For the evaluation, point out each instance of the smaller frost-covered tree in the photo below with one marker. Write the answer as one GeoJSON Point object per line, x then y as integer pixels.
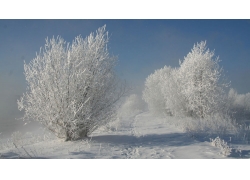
{"type": "Point", "coordinates": [194, 89]}
{"type": "Point", "coordinates": [162, 92]}
{"type": "Point", "coordinates": [199, 76]}
{"type": "Point", "coordinates": [72, 89]}
{"type": "Point", "coordinates": [152, 93]}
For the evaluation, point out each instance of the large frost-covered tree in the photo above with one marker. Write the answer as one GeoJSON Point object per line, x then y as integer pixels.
{"type": "Point", "coordinates": [72, 88]}
{"type": "Point", "coordinates": [200, 76]}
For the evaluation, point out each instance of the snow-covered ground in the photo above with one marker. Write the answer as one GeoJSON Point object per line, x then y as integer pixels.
{"type": "Point", "coordinates": [143, 136]}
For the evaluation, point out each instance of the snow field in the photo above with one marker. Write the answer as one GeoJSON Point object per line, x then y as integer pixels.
{"type": "Point", "coordinates": [142, 136]}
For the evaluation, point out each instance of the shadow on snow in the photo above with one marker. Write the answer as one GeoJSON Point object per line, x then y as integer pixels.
{"type": "Point", "coordinates": [174, 139]}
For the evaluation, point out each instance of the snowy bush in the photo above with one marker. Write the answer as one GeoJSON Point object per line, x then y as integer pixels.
{"type": "Point", "coordinates": [72, 89]}
{"type": "Point", "coordinates": [218, 142]}
{"type": "Point", "coordinates": [219, 124]}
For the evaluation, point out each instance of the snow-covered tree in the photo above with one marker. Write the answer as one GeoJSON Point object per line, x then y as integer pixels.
{"type": "Point", "coordinates": [194, 89]}
{"type": "Point", "coordinates": [152, 93]}
{"type": "Point", "coordinates": [162, 92]}
{"type": "Point", "coordinates": [72, 89]}
{"type": "Point", "coordinates": [200, 76]}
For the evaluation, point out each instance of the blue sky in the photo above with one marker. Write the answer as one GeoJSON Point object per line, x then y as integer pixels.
{"type": "Point", "coordinates": [142, 46]}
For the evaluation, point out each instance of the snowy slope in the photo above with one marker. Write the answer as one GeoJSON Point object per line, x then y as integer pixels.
{"type": "Point", "coordinates": [143, 136]}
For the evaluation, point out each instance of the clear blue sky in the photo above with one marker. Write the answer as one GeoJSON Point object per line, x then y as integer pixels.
{"type": "Point", "coordinates": [141, 45]}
